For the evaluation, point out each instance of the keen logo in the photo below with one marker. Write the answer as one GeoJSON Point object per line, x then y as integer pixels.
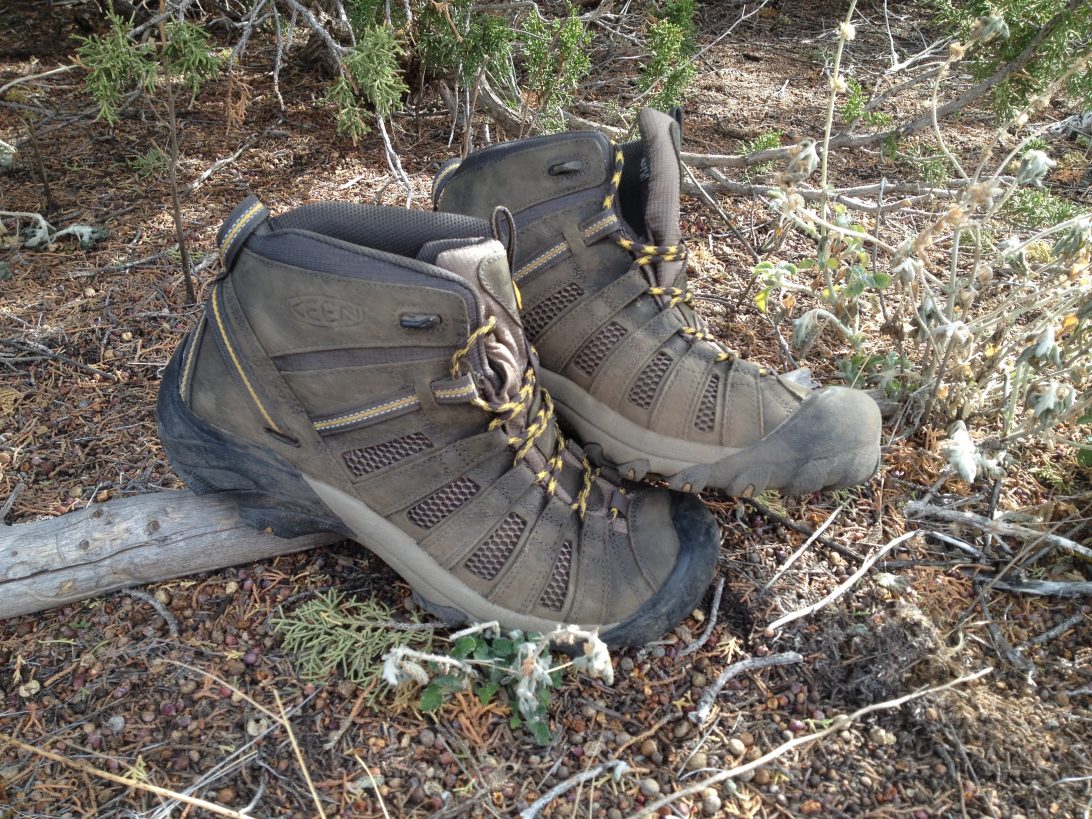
{"type": "Point", "coordinates": [323, 312]}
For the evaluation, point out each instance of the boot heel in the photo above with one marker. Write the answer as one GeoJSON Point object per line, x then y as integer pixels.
{"type": "Point", "coordinates": [270, 492]}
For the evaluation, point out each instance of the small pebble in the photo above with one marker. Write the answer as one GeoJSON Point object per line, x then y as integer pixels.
{"type": "Point", "coordinates": [650, 787]}
{"type": "Point", "coordinates": [614, 813]}
{"type": "Point", "coordinates": [710, 805]}
{"type": "Point", "coordinates": [698, 761]}
{"type": "Point", "coordinates": [626, 664]}
{"type": "Point", "coordinates": [762, 777]}
{"type": "Point", "coordinates": [116, 724]}
{"type": "Point", "coordinates": [648, 747]}
{"type": "Point", "coordinates": [426, 738]}
{"type": "Point", "coordinates": [736, 747]}
{"type": "Point", "coordinates": [698, 679]}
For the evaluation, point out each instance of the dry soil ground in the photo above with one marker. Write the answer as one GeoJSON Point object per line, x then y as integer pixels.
{"type": "Point", "coordinates": [104, 681]}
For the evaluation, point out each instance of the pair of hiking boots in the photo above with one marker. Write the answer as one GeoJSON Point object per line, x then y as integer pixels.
{"type": "Point", "coordinates": [369, 371]}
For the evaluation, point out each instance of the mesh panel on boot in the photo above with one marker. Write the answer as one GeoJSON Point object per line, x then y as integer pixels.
{"type": "Point", "coordinates": [394, 230]}
{"type": "Point", "coordinates": [707, 409]}
{"type": "Point", "coordinates": [442, 502]}
{"type": "Point", "coordinates": [536, 319]}
{"type": "Point", "coordinates": [644, 388]}
{"type": "Point", "coordinates": [370, 458]}
{"type": "Point", "coordinates": [553, 596]}
{"type": "Point", "coordinates": [489, 558]}
{"type": "Point", "coordinates": [596, 349]}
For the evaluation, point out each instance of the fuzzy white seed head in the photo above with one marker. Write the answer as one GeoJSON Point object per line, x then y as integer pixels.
{"type": "Point", "coordinates": [847, 31]}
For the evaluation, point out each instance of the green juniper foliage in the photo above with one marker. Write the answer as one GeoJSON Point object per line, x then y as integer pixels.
{"type": "Point", "coordinates": [114, 64]}
{"type": "Point", "coordinates": [853, 109]}
{"type": "Point", "coordinates": [555, 61]}
{"type": "Point", "coordinates": [1025, 19]}
{"type": "Point", "coordinates": [669, 70]}
{"type": "Point", "coordinates": [372, 74]}
{"type": "Point", "coordinates": [332, 634]}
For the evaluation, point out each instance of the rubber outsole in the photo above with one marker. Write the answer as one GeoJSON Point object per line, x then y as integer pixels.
{"type": "Point", "coordinates": [791, 458]}
{"type": "Point", "coordinates": [273, 495]}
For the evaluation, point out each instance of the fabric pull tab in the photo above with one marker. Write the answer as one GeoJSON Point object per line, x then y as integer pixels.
{"type": "Point", "coordinates": [504, 231]}
{"type": "Point", "coordinates": [239, 225]}
{"type": "Point", "coordinates": [454, 390]}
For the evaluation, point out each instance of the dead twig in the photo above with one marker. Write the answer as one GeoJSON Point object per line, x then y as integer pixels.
{"type": "Point", "coordinates": [10, 502]}
{"type": "Point", "coordinates": [1042, 588]}
{"type": "Point", "coordinates": [788, 523]}
{"type": "Point", "coordinates": [42, 350]}
{"type": "Point", "coordinates": [707, 632]}
{"type": "Point", "coordinates": [1057, 631]}
{"type": "Point", "coordinates": [83, 767]}
{"type": "Point", "coordinates": [577, 779]}
{"type": "Point", "coordinates": [172, 623]}
{"type": "Point", "coordinates": [287, 724]}
{"type": "Point", "coordinates": [705, 705]}
{"type": "Point", "coordinates": [920, 509]}
{"type": "Point", "coordinates": [839, 723]}
{"type": "Point", "coordinates": [811, 539]}
{"type": "Point", "coordinates": [844, 587]}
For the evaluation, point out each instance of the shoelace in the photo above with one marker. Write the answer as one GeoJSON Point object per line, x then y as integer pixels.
{"type": "Point", "coordinates": [544, 419]}
{"type": "Point", "coordinates": [648, 254]}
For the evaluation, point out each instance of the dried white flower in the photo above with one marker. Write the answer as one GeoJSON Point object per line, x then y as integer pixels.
{"type": "Point", "coordinates": [1044, 350]}
{"type": "Point", "coordinates": [847, 31]}
{"type": "Point", "coordinates": [839, 85]}
{"type": "Point", "coordinates": [908, 270]}
{"type": "Point", "coordinates": [1048, 400]}
{"type": "Point", "coordinates": [992, 26]}
{"type": "Point", "coordinates": [1034, 165]}
{"type": "Point", "coordinates": [956, 50]}
{"type": "Point", "coordinates": [960, 451]}
{"type": "Point", "coordinates": [804, 161]}
{"type": "Point", "coordinates": [596, 660]}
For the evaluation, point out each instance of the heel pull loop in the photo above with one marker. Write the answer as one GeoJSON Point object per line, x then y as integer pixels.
{"type": "Point", "coordinates": [504, 231]}
{"type": "Point", "coordinates": [238, 226]}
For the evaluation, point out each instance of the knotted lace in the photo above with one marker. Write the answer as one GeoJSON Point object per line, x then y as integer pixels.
{"type": "Point", "coordinates": [543, 420]}
{"type": "Point", "coordinates": [650, 254]}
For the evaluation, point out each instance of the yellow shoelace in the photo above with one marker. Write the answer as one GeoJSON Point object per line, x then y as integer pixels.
{"type": "Point", "coordinates": [544, 419]}
{"type": "Point", "coordinates": [648, 254]}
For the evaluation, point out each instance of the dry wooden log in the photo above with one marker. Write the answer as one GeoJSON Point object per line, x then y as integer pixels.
{"type": "Point", "coordinates": [128, 542]}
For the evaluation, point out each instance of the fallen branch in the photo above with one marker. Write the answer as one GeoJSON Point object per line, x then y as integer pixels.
{"type": "Point", "coordinates": [922, 510]}
{"type": "Point", "coordinates": [842, 588]}
{"type": "Point", "coordinates": [577, 779]}
{"type": "Point", "coordinates": [839, 723]}
{"type": "Point", "coordinates": [128, 542]}
{"type": "Point", "coordinates": [708, 630]}
{"type": "Point", "coordinates": [1041, 588]}
{"type": "Point", "coordinates": [705, 705]}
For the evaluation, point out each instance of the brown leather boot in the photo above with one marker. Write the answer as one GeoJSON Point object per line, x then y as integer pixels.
{"type": "Point", "coordinates": [631, 366]}
{"type": "Point", "coordinates": [363, 370]}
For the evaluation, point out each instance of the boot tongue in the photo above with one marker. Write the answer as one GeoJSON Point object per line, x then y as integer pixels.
{"type": "Point", "coordinates": [661, 176]}
{"type": "Point", "coordinates": [483, 263]}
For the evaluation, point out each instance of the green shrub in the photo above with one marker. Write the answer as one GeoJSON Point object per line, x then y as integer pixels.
{"type": "Point", "coordinates": [1025, 19]}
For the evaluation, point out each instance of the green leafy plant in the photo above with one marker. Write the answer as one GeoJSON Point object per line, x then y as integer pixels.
{"type": "Point", "coordinates": [1032, 207]}
{"type": "Point", "coordinates": [555, 61]}
{"type": "Point", "coordinates": [114, 64]}
{"type": "Point", "coordinates": [1023, 21]}
{"type": "Point", "coordinates": [516, 666]}
{"type": "Point", "coordinates": [333, 634]}
{"type": "Point", "coordinates": [668, 71]}
{"type": "Point", "coordinates": [763, 142]}
{"type": "Point", "coordinates": [152, 162]}
{"type": "Point", "coordinates": [372, 74]}
{"type": "Point", "coordinates": [190, 55]}
{"type": "Point", "coordinates": [854, 109]}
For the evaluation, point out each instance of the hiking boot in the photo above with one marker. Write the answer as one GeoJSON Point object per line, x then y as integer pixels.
{"type": "Point", "coordinates": [632, 369]}
{"type": "Point", "coordinates": [362, 370]}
